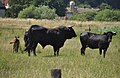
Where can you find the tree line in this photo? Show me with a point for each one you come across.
(96, 3)
(58, 5)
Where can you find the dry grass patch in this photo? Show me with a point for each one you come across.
(51, 23)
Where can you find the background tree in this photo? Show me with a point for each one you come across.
(16, 6)
(114, 3)
(105, 6)
(59, 5)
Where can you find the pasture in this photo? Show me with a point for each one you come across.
(71, 63)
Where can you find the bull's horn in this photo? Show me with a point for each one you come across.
(114, 32)
(71, 26)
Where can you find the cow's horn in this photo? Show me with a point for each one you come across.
(71, 26)
(114, 32)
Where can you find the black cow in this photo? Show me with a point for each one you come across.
(48, 36)
(95, 41)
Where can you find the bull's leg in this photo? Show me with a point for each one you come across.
(28, 52)
(57, 52)
(100, 50)
(104, 53)
(83, 50)
(34, 48)
(29, 47)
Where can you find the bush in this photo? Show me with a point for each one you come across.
(105, 6)
(27, 12)
(41, 12)
(108, 15)
(85, 16)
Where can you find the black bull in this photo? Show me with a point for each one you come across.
(47, 36)
(95, 41)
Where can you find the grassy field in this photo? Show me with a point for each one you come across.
(71, 63)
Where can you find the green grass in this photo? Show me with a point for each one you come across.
(72, 64)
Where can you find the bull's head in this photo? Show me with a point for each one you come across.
(70, 32)
(109, 35)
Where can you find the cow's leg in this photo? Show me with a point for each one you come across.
(34, 48)
(29, 47)
(57, 52)
(104, 53)
(83, 50)
(28, 52)
(100, 50)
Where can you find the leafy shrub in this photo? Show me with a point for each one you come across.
(27, 12)
(85, 16)
(41, 12)
(105, 6)
(108, 15)
(84, 6)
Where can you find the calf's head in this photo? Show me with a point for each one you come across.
(109, 35)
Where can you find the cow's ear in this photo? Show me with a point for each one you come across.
(105, 33)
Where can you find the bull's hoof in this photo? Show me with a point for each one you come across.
(25, 49)
(54, 54)
(28, 54)
(35, 55)
(82, 54)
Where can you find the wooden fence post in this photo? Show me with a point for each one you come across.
(56, 73)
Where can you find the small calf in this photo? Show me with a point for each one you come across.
(15, 43)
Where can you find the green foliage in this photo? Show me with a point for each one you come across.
(41, 12)
(96, 3)
(16, 6)
(85, 16)
(40, 2)
(105, 6)
(108, 15)
(84, 6)
(14, 10)
(59, 5)
(27, 12)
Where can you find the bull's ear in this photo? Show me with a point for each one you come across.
(105, 33)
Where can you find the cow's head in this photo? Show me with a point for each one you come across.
(69, 32)
(109, 35)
